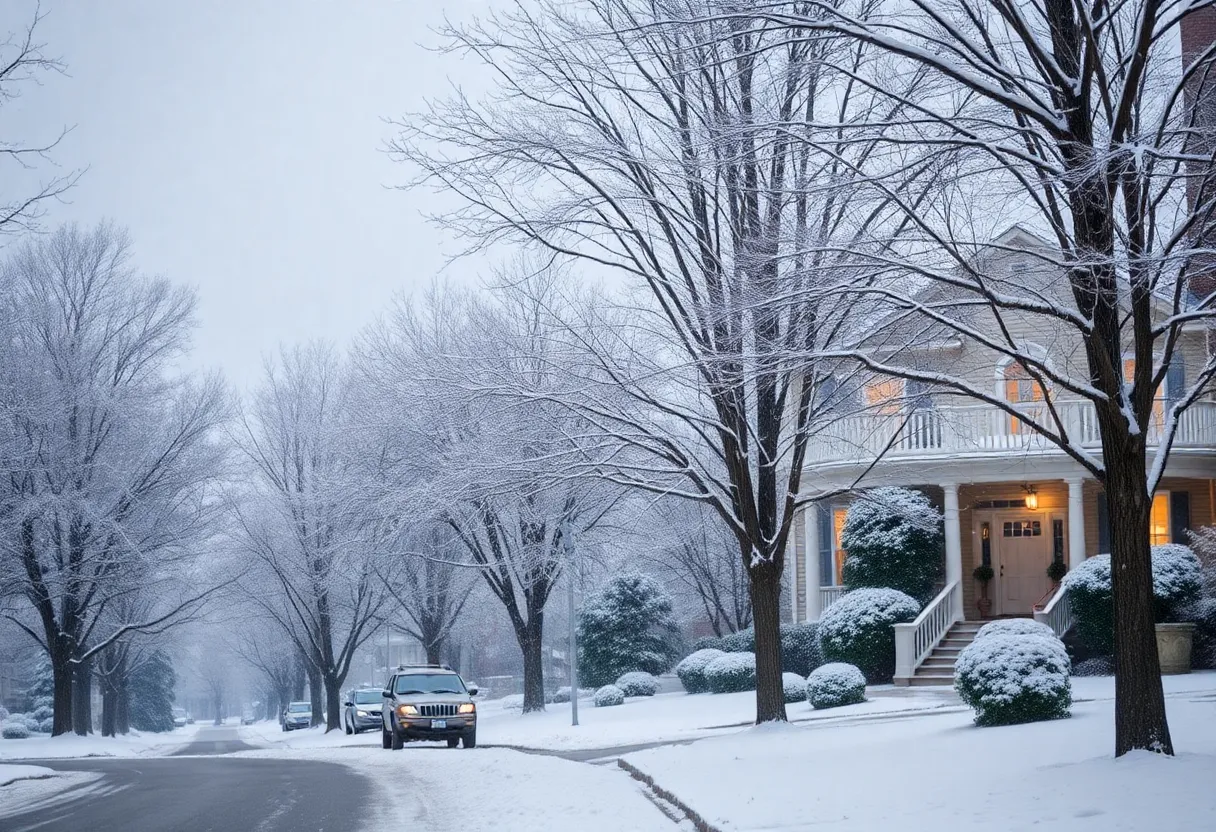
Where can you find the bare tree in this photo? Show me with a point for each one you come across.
(316, 545)
(667, 143)
(107, 454)
(1099, 139)
(432, 582)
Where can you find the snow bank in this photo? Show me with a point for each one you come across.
(11, 773)
(939, 772)
(134, 744)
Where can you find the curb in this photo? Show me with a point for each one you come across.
(636, 773)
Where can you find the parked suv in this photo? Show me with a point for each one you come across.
(362, 710)
(428, 703)
(297, 715)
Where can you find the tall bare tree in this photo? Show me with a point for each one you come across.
(666, 144)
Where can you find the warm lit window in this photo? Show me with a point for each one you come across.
(1019, 388)
(1159, 519)
(885, 395)
(1129, 374)
(838, 517)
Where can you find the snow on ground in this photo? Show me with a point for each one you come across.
(11, 774)
(455, 790)
(134, 744)
(939, 771)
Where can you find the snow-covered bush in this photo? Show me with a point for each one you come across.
(731, 673)
(743, 641)
(627, 625)
(835, 684)
(894, 540)
(562, 695)
(800, 648)
(708, 643)
(859, 630)
(609, 695)
(1010, 679)
(1097, 666)
(47, 725)
(514, 702)
(794, 687)
(1015, 627)
(14, 730)
(638, 683)
(31, 724)
(43, 712)
(1176, 584)
(691, 669)
(3, 713)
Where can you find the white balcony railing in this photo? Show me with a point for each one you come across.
(915, 641)
(829, 595)
(1056, 613)
(950, 430)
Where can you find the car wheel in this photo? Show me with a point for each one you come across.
(453, 742)
(346, 725)
(398, 740)
(385, 740)
(470, 739)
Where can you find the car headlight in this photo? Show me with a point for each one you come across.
(361, 713)
(407, 710)
(467, 708)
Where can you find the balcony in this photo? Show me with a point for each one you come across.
(934, 433)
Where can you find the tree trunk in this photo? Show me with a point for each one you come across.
(316, 696)
(333, 702)
(766, 618)
(217, 704)
(434, 651)
(82, 698)
(124, 706)
(61, 674)
(109, 707)
(1140, 718)
(534, 667)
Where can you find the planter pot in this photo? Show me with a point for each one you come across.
(984, 605)
(1174, 647)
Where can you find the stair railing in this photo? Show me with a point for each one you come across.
(1056, 613)
(915, 640)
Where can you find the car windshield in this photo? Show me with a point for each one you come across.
(299, 708)
(368, 697)
(429, 683)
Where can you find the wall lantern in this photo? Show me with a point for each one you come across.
(1032, 497)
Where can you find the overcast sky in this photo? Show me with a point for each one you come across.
(241, 141)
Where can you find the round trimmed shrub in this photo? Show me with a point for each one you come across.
(743, 641)
(1011, 679)
(47, 725)
(859, 629)
(793, 687)
(14, 731)
(1177, 582)
(638, 683)
(691, 669)
(708, 643)
(1097, 666)
(894, 538)
(31, 723)
(835, 684)
(627, 625)
(1015, 627)
(42, 712)
(800, 648)
(609, 695)
(732, 673)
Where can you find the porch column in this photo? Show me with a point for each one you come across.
(954, 546)
(810, 560)
(1076, 522)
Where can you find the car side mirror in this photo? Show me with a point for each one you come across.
(387, 694)
(349, 704)
(473, 690)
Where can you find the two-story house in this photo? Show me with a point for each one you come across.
(1010, 498)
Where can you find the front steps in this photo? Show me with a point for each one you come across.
(938, 668)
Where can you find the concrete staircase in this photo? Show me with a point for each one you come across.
(938, 668)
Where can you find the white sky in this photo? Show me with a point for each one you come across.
(241, 142)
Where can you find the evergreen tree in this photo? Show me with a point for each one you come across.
(151, 691)
(628, 625)
(893, 537)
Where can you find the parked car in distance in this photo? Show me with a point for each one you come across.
(247, 718)
(428, 702)
(181, 717)
(361, 710)
(297, 715)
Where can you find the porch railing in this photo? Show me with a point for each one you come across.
(942, 431)
(829, 595)
(1056, 613)
(915, 641)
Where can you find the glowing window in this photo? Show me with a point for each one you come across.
(884, 395)
(1159, 519)
(838, 517)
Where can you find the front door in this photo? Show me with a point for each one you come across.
(1024, 552)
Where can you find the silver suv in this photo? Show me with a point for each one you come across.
(428, 703)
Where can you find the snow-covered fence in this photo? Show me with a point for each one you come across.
(1056, 613)
(915, 641)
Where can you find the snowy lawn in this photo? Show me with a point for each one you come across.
(11, 774)
(134, 744)
(939, 771)
(456, 790)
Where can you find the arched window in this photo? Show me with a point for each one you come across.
(1019, 388)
